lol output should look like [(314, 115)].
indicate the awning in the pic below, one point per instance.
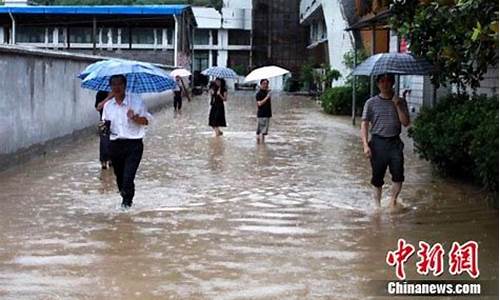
[(96, 10), (369, 21), (207, 17), (316, 43)]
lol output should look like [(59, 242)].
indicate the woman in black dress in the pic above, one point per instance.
[(217, 116)]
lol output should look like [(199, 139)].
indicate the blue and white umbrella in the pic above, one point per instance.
[(220, 72), (95, 66), (393, 63), (141, 77)]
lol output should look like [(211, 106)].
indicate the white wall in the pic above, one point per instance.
[(238, 4), (339, 40), (42, 99), (237, 18), (307, 7), (222, 44)]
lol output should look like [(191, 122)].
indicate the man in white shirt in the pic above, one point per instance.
[(128, 120)]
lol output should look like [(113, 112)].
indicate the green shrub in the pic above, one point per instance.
[(460, 137), (338, 100), (239, 69)]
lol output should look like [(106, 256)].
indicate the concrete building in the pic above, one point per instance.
[(223, 38), (325, 21), (277, 37), (155, 33)]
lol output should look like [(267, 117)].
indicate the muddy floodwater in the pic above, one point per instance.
[(225, 218)]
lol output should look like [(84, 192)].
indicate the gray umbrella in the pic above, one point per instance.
[(394, 63)]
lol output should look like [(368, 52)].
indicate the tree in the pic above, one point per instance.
[(460, 37)]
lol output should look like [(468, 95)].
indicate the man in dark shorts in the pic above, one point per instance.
[(386, 112), (264, 112)]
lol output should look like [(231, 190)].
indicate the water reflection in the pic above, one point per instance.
[(216, 155), (224, 217)]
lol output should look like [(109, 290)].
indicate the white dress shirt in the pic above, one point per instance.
[(122, 127)]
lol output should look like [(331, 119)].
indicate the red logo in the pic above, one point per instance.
[(431, 259), (399, 257), (462, 258)]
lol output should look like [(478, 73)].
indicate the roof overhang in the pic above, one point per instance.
[(207, 17), (97, 10), (369, 21), (316, 43)]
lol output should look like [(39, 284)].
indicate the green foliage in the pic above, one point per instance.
[(362, 82), (329, 75), (338, 100), (348, 61), (460, 137), (460, 37), (239, 69), (307, 75)]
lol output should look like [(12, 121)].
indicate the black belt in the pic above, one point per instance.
[(395, 137), (126, 140)]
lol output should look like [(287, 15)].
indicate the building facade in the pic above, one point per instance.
[(328, 42), (159, 34), (223, 38), (277, 37)]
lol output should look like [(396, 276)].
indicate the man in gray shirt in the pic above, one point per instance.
[(386, 112)]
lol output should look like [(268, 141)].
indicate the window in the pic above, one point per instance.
[(158, 33), (80, 35), (125, 36), (170, 36), (143, 36), (201, 37), (215, 37), (30, 35), (200, 60), (62, 36), (50, 35), (214, 58), (239, 37)]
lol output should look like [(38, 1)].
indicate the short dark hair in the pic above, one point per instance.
[(391, 77), (262, 80), (122, 77)]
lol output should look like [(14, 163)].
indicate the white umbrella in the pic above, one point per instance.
[(265, 73), (180, 73)]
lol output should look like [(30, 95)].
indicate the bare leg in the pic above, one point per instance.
[(258, 138), (377, 195), (396, 189), (263, 137)]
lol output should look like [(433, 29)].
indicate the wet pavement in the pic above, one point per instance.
[(225, 218)]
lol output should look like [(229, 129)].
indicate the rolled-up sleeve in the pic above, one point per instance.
[(105, 112), (142, 110), (366, 115)]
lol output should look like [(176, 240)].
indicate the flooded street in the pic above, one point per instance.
[(225, 218)]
